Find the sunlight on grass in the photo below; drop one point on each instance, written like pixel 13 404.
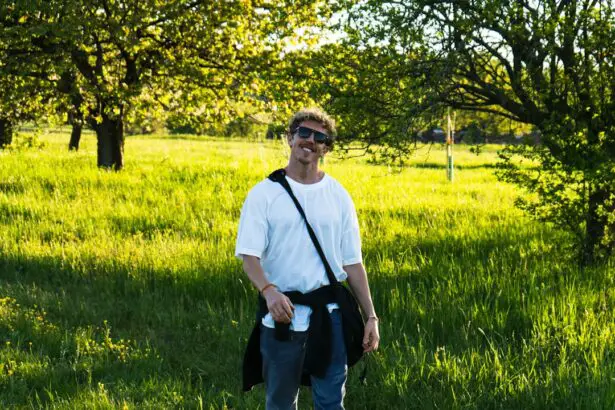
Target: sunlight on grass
pixel 120 290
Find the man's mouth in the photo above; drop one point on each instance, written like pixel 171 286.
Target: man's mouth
pixel 306 149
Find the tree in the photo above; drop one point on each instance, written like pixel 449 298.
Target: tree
pixel 550 64
pixel 115 50
pixel 26 92
pixel 67 84
pixel 21 99
pixel 377 98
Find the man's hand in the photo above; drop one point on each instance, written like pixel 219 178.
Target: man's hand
pixel 279 305
pixel 371 336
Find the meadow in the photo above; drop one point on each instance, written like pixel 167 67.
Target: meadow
pixel 120 290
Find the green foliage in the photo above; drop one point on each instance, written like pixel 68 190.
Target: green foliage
pixel 121 289
pixel 560 194
pixel 550 65
pixel 371 94
pixel 245 127
pixel 21 99
pixel 24 141
pixel 121 60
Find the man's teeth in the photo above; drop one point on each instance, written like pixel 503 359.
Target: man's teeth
pixel 307 149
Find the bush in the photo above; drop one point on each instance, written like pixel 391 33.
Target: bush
pixel 25 142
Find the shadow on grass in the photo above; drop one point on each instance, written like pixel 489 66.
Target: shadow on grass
pixel 190 326
pixel 453 313
pixel 478 292
pixel 446 294
pixel 437 391
pixel 464 296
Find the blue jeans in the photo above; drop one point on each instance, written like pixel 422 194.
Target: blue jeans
pixel 283 364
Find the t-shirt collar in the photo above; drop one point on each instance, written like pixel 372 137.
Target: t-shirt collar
pixel 307 187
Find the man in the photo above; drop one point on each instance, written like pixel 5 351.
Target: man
pixel 279 256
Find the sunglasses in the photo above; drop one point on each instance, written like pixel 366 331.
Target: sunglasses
pixel 319 137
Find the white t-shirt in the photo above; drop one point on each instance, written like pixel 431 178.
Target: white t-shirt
pixel 272 229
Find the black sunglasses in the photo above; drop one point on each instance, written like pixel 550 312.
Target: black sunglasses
pixel 319 137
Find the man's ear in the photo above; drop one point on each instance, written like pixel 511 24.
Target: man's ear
pixel 289 138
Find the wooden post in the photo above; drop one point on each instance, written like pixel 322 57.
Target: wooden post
pixel 450 140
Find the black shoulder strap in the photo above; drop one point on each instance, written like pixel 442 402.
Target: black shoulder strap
pixel 280 177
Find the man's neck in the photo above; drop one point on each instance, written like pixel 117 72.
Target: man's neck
pixel 304 173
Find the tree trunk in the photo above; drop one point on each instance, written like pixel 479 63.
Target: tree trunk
pixel 75 136
pixel 110 136
pixel 75 118
pixel 596 225
pixel 6 132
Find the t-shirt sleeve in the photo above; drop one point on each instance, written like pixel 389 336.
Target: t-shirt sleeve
pixel 351 238
pixel 252 233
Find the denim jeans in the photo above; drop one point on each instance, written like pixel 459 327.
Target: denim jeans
pixel 283 363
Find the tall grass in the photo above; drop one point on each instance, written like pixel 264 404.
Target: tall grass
pixel 121 290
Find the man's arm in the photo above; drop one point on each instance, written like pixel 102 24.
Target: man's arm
pixel 357 279
pixel 280 306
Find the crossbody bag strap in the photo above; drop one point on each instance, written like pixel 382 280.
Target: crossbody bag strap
pixel 280 177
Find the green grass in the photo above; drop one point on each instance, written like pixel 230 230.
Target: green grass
pixel 121 289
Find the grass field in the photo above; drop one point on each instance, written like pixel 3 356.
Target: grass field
pixel 120 290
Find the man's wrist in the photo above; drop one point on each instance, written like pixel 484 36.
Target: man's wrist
pixel 267 287
pixel 373 317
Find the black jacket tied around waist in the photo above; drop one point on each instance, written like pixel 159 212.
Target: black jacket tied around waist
pixel 319 340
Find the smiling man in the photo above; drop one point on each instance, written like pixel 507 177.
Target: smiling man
pixel 279 257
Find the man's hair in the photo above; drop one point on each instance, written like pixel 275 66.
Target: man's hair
pixel 314 114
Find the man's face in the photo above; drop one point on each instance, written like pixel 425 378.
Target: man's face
pixel 306 150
